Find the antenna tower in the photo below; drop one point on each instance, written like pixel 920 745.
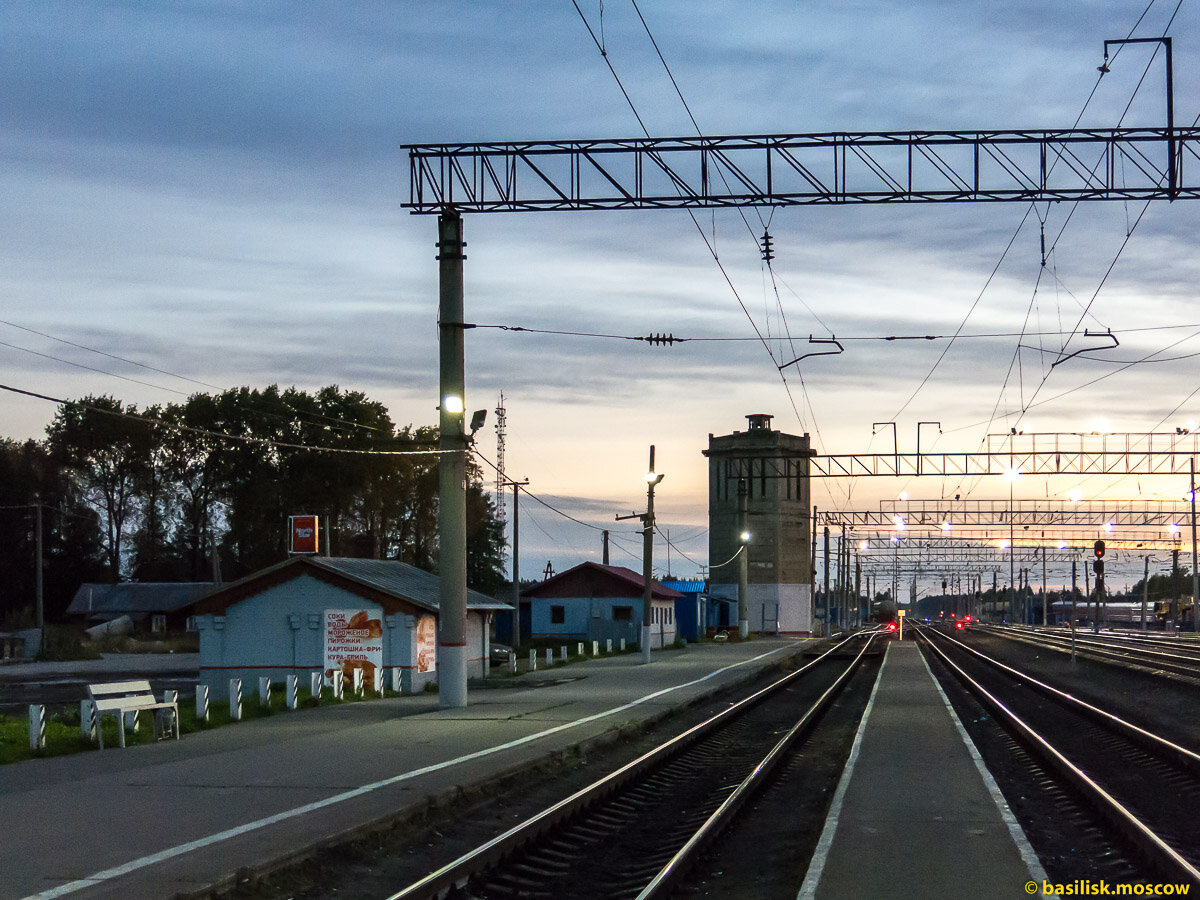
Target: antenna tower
pixel 501 480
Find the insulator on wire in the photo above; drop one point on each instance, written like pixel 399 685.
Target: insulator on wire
pixel 768 253
pixel 657 339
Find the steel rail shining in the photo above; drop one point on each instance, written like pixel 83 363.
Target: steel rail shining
pixel 1165 856
pixel 459 872
pixel 1188 666
pixel 724 814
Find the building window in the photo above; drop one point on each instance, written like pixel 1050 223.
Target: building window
pixel 558 615
pixel 622 613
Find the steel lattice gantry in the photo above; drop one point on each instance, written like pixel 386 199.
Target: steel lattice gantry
pixel 802 169
pixel 931 514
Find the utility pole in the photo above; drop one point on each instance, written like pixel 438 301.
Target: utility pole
pixel 1145 590
pixel 1073 590
pixel 452 467
pixel 41 562
pixel 604 535
pixel 516 558
pixel 1195 573
pixel 828 624
pixel 743 561
pixel 652 480
pixel 1045 621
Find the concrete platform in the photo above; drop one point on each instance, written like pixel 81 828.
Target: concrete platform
pixel 169 818
pixel 916 813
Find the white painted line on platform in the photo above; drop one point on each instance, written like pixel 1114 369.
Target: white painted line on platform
pixel 1030 858
pixel 200 843
pixel 816 866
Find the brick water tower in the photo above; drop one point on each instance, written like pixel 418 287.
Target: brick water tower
pixel 773 468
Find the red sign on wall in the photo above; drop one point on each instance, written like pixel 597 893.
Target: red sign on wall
pixel 304 533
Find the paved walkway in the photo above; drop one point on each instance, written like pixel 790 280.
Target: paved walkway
pixel 180 816
pixel 916 813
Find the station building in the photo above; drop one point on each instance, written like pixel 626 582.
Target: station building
pixel 286 620
pixel 594 602
pixel 774 469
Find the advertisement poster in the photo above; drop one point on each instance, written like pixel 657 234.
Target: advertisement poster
pixel 426 644
pixel 353 640
pixel 305 534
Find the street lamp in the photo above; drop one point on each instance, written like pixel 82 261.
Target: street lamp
pixel 744 579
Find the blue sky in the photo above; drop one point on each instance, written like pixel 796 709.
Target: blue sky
pixel 215 190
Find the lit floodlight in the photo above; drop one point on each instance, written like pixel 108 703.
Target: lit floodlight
pixel 1101 426
pixel 946 525
pixel 898 521
pixel 904 495
pixel 1108 526
pixel 1075 494
pixel 745 536
pixel 1173 528
pixel 1012 474
pixel 1002 544
pixel 1062 545
pixel 452 404
pixel 862 545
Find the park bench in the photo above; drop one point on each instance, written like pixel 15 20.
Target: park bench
pixel 121 697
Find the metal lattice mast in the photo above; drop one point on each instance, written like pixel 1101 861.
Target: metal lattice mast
pixel 501 480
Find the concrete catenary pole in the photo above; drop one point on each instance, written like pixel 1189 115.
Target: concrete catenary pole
pixel 743 561
pixel 1145 590
pixel 452 469
pixel 41 614
pixel 828 625
pixel 516 567
pixel 1195 573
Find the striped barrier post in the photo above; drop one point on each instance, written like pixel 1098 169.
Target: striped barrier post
pixel 595 648
pixel 293 692
pixel 202 703
pixel 339 685
pixel 264 691
pixel 235 699
pixel 396 682
pixel 580 650
pixel 358 682
pixel 37 726
pixel 622 645
pixel 87 720
pixel 608 645
pixel 379 682
pixel 512 661
pixel 563 653
pixel 549 658
pixel 316 683
pixel 532 660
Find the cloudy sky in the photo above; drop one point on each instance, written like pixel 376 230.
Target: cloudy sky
pixel 215 191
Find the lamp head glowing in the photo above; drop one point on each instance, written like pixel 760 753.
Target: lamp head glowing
pixel 453 404
pixel 1075 494
pixel 862 545
pixel 946 526
pixel 1012 474
pixel 745 536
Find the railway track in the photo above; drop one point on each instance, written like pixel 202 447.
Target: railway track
pixel 636 831
pixel 1146 788
pixel 1153 654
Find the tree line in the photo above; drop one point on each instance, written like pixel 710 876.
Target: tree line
pixel 183 491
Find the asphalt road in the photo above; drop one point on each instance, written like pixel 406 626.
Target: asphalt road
pixel 65 683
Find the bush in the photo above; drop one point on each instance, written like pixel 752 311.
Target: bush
pixel 63 643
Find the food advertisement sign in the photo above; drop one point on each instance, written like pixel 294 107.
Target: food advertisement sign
pixel 426 644
pixel 353 640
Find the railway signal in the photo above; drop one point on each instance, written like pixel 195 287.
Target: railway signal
pixel 1098 565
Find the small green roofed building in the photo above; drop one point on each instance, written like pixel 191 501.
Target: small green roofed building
pixel 312 613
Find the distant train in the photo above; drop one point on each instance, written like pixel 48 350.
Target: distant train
pixel 885 611
pixel 1120 613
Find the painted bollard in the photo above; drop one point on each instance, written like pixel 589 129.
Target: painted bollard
pixel 264 691
pixel 579 652
pixel 512 661
pixel 595 648
pixel 235 699
pixel 622 645
pixel 532 660
pixel 293 692
pixel 164 720
pixel 87 720
pixel 608 645
pixel 37 727
pixel 562 652
pixel 358 682
pixel 201 702
pixel 396 682
pixel 339 685
pixel 316 682
pixel 549 658
pixel 379 683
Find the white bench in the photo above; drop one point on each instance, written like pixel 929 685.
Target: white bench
pixel 121 697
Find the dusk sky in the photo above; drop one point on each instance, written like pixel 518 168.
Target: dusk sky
pixel 214 191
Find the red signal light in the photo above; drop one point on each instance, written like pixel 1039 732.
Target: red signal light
pixel 958 625
pixel 891 626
